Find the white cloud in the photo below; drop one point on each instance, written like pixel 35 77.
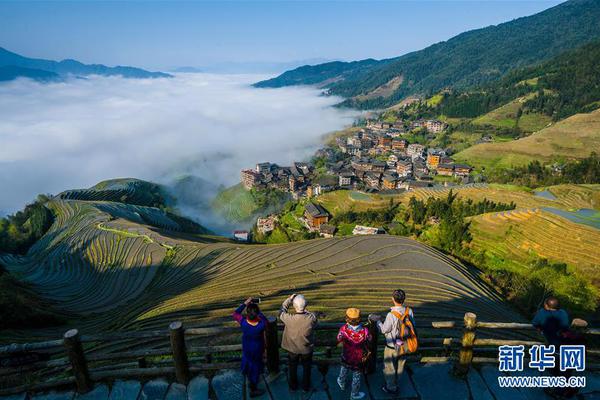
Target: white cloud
pixel 74 134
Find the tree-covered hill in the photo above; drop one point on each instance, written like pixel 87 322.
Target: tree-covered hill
pixel 566 85
pixel 469 59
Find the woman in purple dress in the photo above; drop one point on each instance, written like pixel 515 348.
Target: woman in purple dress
pixel 253 326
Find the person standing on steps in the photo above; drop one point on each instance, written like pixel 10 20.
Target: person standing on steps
pixel 298 339
pixel 253 343
pixel 551 321
pixel 400 339
pixel 354 338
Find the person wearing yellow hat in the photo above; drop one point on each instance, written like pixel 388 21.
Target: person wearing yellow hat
pixel 354 338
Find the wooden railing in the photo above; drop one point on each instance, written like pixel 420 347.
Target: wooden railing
pixel 80 360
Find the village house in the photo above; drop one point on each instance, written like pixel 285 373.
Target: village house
pixel 327 231
pixel 361 164
pixel 415 150
pixel 419 167
pixel 392 160
pixel 462 169
pixel 266 225
pixel 385 142
pixel 399 144
pixel 250 178
pixel 345 178
pixel 389 182
pixel 263 168
pixel 435 126
pixel 315 215
pixel 241 236
pixel 433 160
pixel 404 168
pixel 378 166
pixel 445 169
pixel 372 179
pixel 364 230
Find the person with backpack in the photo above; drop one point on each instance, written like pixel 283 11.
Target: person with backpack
pixel 400 339
pixel 354 338
pixel 298 339
pixel 253 327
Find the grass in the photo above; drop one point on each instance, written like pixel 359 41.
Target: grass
pixel 506 117
pixel 235 204
pixel 574 137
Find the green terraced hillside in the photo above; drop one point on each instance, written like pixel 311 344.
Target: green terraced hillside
pixel 106 268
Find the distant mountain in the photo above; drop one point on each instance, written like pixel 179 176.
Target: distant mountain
pixel 469 59
pixel 248 67
pixel 15 66
pixel 10 72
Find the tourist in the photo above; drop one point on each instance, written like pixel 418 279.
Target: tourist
pixel 354 338
pixel 551 321
pixel 298 339
pixel 400 340
pixel 253 343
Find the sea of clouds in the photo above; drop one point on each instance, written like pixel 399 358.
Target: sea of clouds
pixel 76 133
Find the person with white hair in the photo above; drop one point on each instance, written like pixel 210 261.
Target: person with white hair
pixel 298 339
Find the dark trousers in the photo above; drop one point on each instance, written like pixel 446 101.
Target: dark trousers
pixel 306 361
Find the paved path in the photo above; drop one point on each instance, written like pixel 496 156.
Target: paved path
pixel 421 382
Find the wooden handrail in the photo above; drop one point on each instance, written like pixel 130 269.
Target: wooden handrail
pixel 186 360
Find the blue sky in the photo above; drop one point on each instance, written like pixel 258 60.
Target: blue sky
pixel 168 34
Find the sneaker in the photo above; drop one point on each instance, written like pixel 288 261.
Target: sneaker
pixel 357 396
pixel 341 383
pixel 388 391
pixel 257 392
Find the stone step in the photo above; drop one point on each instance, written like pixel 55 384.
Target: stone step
pixel 441 374
pixel 125 390
pixel 228 384
pixel 54 396
pixel 99 392
pixel 155 389
pixel 177 391
pixel 198 388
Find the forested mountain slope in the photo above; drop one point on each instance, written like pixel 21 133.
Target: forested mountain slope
pixel 469 59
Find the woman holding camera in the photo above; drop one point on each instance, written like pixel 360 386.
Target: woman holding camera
pixel 253 326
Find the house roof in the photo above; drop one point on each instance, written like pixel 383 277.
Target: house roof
pixel 316 210
pixel 445 166
pixel 327 229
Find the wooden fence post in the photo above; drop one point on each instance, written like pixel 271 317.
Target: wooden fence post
pixel 78 363
pixel 182 367
pixel 372 362
pixel 466 350
pixel 272 345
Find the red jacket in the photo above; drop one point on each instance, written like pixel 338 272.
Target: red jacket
pixel 355 342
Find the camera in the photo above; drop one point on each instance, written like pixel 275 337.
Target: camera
pixel 255 300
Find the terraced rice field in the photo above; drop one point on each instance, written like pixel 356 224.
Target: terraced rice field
pixel 514 237
pixel 107 270
pixel 574 137
pixel 567 197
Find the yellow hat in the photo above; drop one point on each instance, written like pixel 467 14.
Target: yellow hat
pixel 353 313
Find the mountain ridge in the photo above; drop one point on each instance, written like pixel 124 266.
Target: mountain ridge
pixel 43 69
pixel 468 59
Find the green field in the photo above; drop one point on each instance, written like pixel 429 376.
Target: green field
pixel 574 137
pixel 235 204
pixel 506 117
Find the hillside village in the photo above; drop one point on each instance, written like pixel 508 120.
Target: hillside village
pixel 377 158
